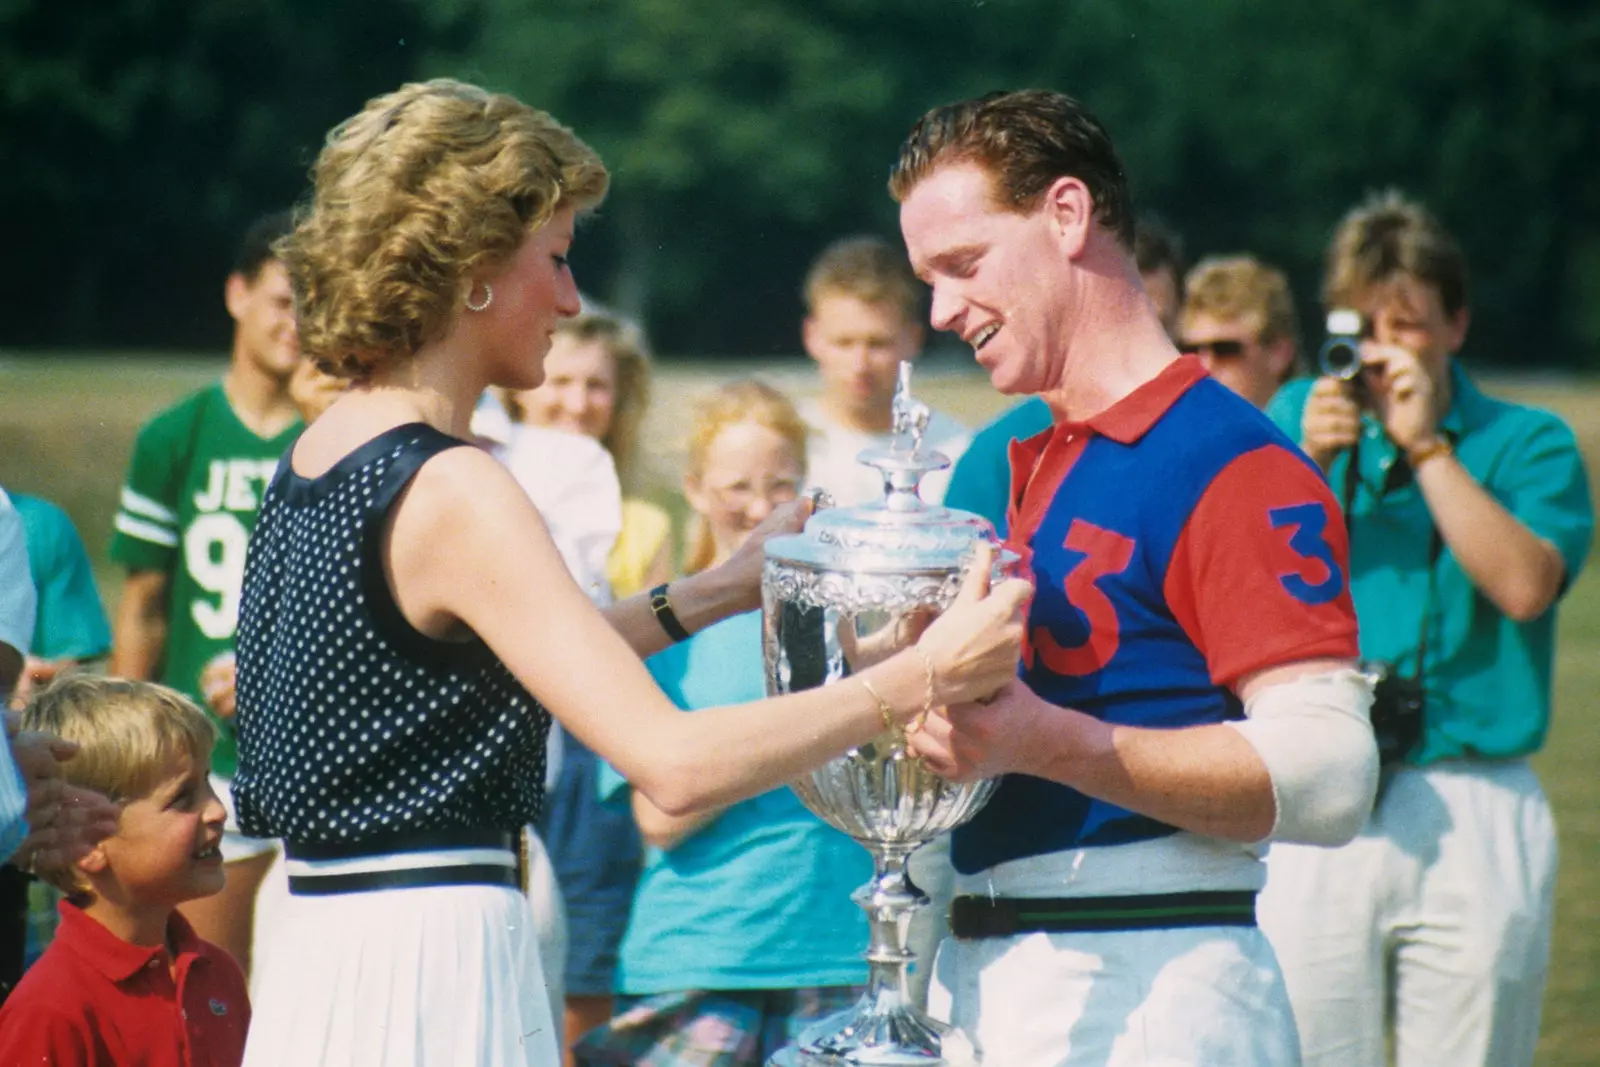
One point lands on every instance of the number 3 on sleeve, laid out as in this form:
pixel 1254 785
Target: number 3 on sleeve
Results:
pixel 1308 523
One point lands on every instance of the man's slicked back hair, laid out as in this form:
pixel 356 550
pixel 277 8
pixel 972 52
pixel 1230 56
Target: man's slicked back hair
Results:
pixel 1025 140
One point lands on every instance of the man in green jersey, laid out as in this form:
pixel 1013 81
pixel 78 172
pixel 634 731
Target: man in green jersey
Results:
pixel 193 490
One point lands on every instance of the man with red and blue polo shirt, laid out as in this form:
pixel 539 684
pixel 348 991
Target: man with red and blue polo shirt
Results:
pixel 1188 691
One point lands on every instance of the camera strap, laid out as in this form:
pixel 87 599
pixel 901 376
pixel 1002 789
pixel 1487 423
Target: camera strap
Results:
pixel 1352 479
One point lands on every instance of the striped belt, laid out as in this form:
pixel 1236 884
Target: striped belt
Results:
pixel 974 917
pixel 404 861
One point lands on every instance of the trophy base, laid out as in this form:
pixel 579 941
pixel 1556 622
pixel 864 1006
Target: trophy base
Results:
pixel 902 1038
pixel 794 1057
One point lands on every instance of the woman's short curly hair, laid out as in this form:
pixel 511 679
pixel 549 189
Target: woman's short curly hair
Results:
pixel 425 186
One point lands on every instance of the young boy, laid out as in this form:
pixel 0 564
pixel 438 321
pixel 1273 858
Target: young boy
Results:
pixel 863 316
pixel 126 980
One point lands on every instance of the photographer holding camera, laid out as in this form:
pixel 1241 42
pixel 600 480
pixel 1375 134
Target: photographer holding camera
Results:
pixel 1469 517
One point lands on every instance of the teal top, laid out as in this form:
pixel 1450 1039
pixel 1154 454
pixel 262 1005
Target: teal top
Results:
pixel 758 898
pixel 981 482
pixel 1487 676
pixel 71 623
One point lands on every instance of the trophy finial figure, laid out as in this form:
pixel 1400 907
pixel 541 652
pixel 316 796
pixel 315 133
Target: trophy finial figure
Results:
pixel 908 415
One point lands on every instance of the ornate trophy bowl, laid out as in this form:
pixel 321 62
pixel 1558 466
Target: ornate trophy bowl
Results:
pixel 858 585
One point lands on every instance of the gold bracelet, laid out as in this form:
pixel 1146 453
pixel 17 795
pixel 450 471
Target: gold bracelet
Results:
pixel 927 704
pixel 1440 446
pixel 885 709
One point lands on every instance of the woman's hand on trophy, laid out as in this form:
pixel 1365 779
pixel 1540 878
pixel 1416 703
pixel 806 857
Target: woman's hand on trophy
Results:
pixel 743 569
pixel 974 646
pixel 981 740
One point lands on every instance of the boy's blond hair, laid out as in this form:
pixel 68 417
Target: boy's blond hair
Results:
pixel 869 269
pixel 127 732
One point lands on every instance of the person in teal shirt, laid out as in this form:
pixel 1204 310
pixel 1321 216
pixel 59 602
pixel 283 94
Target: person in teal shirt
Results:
pixel 743 930
pixel 981 481
pixel 71 628
pixel 759 897
pixel 1469 517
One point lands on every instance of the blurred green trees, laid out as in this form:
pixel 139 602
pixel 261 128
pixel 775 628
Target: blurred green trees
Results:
pixel 140 135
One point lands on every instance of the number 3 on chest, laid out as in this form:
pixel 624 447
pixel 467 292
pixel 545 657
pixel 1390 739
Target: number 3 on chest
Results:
pixel 1104 553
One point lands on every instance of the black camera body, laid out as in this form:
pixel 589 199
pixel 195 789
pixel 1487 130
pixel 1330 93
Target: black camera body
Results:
pixel 1397 709
pixel 1340 356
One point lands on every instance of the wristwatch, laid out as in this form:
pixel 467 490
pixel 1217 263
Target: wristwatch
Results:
pixel 1439 446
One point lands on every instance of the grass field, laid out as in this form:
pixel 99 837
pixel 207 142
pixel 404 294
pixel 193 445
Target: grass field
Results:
pixel 66 428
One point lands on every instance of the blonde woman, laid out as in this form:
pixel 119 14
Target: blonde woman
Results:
pixel 408 627
pixel 743 926
pixel 597 383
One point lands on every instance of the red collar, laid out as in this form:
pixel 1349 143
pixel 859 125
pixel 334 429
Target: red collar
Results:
pixel 1131 417
pixel 115 958
pixel 1040 463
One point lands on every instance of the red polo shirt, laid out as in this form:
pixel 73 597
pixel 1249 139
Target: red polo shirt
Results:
pixel 94 1000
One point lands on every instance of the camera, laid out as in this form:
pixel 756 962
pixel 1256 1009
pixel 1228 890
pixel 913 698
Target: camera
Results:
pixel 1397 707
pixel 1340 356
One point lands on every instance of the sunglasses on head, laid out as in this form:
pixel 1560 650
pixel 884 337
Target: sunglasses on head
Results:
pixel 1217 349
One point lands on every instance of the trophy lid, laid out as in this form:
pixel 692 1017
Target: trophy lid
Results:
pixel 899 533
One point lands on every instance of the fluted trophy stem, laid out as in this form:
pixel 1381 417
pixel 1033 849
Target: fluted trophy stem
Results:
pixel 889 901
pixel 883 1028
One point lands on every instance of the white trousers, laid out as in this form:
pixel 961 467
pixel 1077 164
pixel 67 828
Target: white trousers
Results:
pixel 1190 997
pixel 931 872
pixel 1437 917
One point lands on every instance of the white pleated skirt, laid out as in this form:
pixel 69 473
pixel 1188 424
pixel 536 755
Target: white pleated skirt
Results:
pixel 443 976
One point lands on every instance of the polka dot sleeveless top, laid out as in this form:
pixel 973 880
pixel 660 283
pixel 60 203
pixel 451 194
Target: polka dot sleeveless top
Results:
pixel 352 725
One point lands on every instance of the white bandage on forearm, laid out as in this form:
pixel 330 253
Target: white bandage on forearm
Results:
pixel 1315 736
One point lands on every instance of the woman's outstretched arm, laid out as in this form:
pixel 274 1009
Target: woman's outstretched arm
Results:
pixel 467 551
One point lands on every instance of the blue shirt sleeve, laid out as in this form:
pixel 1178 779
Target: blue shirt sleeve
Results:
pixel 13 804
pixel 18 601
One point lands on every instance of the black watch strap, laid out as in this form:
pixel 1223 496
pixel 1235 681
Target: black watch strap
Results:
pixel 661 608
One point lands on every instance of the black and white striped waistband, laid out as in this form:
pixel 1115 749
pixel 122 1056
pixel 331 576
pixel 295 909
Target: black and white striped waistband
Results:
pixel 409 861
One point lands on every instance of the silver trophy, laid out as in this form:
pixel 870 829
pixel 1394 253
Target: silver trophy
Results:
pixel 856 586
